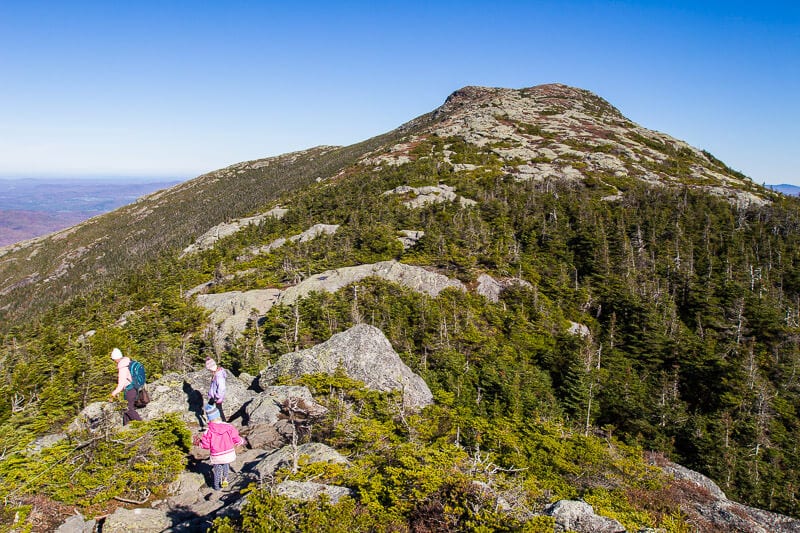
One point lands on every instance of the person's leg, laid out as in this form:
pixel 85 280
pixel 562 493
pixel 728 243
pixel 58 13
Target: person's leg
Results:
pixel 130 413
pixel 218 476
pixel 221 413
pixel 225 470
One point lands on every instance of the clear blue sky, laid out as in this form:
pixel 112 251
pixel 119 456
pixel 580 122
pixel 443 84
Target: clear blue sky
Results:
pixel 175 89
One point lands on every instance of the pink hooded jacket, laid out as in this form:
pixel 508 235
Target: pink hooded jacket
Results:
pixel 220 439
pixel 123 375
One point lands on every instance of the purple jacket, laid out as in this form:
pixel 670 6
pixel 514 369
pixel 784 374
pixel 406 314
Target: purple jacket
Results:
pixel 218 386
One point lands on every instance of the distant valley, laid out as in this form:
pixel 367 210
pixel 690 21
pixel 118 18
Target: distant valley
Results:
pixel 31 207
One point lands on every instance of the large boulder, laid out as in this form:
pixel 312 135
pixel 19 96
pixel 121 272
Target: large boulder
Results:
pixel 77 524
pixel 410 237
pixel 136 521
pixel 579 516
pixel 266 406
pixel 312 452
pixel 695 478
pixel 97 416
pixel 186 491
pixel 710 505
pixel 365 354
pixel 263 437
pixel 231 312
pixel 491 288
pixel 308 490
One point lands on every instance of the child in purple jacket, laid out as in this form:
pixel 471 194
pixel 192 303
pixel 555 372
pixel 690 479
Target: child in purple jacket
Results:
pixel 216 392
pixel 221 440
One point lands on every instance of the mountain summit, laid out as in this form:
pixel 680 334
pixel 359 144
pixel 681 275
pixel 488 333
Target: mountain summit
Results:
pixel 545 133
pixel 561 132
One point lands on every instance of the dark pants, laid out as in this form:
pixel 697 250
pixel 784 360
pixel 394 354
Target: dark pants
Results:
pixel 130 413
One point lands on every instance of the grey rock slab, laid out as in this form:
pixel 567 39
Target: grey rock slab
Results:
pixel 312 452
pixel 311 233
pixel 265 407
pixel 308 490
pixel 77 524
pixel 365 354
pixel 140 520
pixel 232 312
pixel 696 478
pixel 45 441
pixel 186 394
pixel 225 229
pixel 97 416
pixel 491 288
pixel 414 277
pixel 186 490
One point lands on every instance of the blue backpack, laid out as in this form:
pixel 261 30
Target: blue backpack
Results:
pixel 137 375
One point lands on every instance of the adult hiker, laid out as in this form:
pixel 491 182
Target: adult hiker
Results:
pixel 125 382
pixel 220 439
pixel 216 392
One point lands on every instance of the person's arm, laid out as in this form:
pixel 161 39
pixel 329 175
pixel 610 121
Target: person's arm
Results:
pixel 237 440
pixel 123 378
pixel 218 386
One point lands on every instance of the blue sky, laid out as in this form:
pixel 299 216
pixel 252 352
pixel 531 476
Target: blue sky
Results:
pixel 176 89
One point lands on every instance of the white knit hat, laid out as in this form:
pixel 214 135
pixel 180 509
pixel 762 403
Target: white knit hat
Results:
pixel 116 354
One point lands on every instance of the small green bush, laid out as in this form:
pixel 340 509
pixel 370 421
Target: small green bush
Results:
pixel 131 463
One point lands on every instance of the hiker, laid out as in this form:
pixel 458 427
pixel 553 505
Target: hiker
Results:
pixel 221 440
pixel 125 382
pixel 216 392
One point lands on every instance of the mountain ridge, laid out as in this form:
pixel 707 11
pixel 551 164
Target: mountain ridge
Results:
pixel 536 151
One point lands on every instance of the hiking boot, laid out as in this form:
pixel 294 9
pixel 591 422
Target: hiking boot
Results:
pixel 224 483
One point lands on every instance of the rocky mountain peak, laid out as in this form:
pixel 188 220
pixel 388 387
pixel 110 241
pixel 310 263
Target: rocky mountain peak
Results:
pixel 563 133
pixel 547 98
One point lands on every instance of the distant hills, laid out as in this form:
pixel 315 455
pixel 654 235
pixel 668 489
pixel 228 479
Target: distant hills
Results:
pixel 785 188
pixel 32 207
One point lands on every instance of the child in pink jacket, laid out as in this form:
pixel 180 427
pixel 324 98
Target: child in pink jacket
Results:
pixel 221 440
